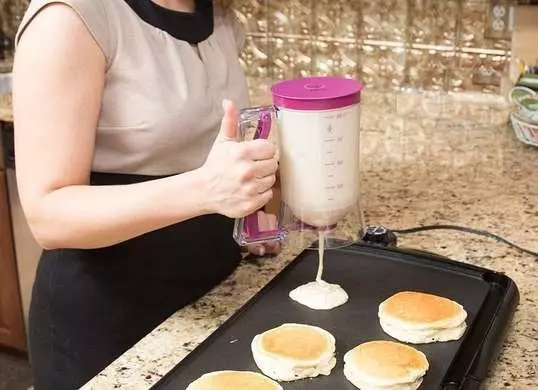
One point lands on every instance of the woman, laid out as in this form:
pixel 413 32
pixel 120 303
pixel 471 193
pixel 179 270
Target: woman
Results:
pixel 124 176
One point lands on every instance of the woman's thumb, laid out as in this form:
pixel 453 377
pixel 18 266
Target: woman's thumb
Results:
pixel 228 126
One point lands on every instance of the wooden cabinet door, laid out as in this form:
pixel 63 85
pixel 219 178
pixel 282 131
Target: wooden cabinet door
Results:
pixel 12 333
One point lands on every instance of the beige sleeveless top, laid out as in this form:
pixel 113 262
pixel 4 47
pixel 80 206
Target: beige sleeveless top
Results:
pixel 162 102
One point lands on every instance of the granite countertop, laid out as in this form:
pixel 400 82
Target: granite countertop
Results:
pixel 426 158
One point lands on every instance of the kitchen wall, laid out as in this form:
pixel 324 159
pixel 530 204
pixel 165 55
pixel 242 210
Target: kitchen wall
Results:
pixel 525 36
pixel 452 45
pixel 11 13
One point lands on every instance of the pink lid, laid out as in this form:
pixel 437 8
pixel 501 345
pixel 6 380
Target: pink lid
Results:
pixel 316 93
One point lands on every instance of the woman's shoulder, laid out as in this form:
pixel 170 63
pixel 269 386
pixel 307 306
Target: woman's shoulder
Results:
pixel 97 15
pixel 98 7
pixel 229 19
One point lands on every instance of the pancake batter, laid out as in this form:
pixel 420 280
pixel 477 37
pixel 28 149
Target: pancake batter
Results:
pixel 319 294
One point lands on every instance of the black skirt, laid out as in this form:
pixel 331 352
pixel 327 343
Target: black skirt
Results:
pixel 90 306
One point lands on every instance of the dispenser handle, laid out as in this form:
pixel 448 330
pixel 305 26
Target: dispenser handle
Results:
pixel 247 230
pixel 251 225
pixel 264 126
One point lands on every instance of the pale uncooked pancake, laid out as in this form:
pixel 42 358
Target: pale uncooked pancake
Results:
pixel 380 365
pixel 294 351
pixel 234 380
pixel 416 317
pixel 423 336
pixel 319 295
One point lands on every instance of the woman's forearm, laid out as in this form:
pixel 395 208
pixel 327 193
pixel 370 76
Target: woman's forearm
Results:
pixel 83 216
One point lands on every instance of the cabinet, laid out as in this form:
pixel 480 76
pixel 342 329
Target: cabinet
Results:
pixel 12 332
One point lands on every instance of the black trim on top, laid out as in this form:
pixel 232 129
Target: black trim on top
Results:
pixel 192 27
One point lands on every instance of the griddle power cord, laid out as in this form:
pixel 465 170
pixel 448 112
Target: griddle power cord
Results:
pixel 387 237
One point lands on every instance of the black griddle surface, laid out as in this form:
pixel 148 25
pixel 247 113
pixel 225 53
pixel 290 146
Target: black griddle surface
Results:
pixel 369 275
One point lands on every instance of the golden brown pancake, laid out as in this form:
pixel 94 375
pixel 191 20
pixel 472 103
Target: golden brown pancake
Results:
pixel 291 352
pixel 420 307
pixel 295 342
pixel 387 359
pixel 234 380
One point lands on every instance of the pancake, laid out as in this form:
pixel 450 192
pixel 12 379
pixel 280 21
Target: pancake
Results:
pixel 234 380
pixel 385 365
pixel 294 351
pixel 418 318
pixel 319 295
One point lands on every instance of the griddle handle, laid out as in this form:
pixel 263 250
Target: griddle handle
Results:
pixel 487 352
pixel 497 333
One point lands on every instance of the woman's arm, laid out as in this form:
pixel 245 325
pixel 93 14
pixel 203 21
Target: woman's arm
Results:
pixel 59 76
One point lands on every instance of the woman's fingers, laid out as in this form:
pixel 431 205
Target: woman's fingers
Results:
pixel 264 168
pixel 264 184
pixel 265 222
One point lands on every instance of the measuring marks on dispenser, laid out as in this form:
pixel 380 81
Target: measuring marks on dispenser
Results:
pixel 332 162
pixel 333 152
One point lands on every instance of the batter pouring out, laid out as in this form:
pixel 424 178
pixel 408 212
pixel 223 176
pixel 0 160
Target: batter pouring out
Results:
pixel 319 294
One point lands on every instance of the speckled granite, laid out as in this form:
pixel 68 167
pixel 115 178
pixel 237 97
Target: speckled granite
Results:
pixel 426 158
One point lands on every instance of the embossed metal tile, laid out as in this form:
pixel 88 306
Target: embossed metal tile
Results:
pixel 452 45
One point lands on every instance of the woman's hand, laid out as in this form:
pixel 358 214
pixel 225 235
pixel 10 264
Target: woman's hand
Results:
pixel 238 176
pixel 265 222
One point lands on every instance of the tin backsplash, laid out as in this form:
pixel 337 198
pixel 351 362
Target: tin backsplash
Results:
pixel 11 13
pixel 451 45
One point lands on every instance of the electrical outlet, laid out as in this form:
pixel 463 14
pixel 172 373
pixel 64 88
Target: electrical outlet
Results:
pixel 499 19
